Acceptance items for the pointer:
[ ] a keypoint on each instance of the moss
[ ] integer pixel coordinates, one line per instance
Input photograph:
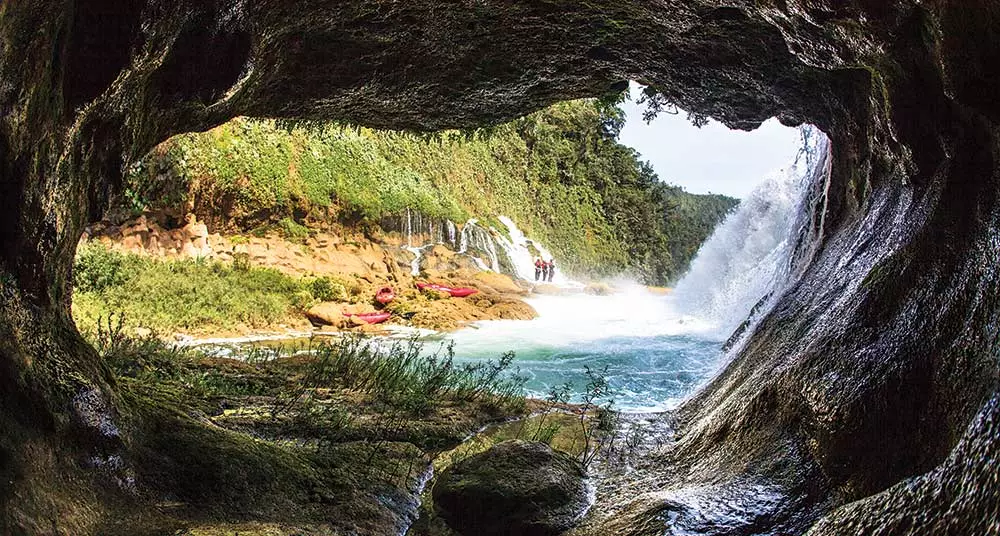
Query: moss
(270, 445)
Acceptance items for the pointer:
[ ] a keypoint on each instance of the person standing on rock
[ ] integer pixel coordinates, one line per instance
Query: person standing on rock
(545, 271)
(551, 269)
(538, 267)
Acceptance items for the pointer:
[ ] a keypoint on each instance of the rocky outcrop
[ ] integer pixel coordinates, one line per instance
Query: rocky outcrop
(147, 236)
(871, 375)
(514, 488)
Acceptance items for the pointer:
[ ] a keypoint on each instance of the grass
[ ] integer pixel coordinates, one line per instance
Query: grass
(190, 295)
(400, 375)
(410, 379)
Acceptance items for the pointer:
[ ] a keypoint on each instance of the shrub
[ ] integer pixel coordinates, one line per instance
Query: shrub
(98, 268)
(406, 377)
(326, 289)
(241, 262)
(293, 230)
(185, 294)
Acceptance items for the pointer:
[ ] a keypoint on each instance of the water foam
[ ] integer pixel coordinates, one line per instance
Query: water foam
(762, 246)
(658, 349)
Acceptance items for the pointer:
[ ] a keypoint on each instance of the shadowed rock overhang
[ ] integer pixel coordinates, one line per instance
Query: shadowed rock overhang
(870, 381)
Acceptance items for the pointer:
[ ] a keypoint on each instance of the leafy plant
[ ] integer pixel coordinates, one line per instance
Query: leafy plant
(293, 230)
(596, 390)
(98, 268)
(557, 395)
(326, 289)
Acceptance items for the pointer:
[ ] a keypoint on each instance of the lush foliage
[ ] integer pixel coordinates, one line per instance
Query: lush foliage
(185, 294)
(559, 173)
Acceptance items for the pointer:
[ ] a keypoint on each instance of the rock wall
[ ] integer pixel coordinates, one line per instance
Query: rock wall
(876, 368)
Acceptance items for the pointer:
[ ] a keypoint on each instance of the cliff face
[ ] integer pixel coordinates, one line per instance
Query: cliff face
(876, 367)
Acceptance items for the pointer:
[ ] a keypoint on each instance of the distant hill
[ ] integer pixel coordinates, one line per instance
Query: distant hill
(559, 174)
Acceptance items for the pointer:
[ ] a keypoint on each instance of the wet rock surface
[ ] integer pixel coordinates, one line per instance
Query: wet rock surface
(867, 376)
(514, 488)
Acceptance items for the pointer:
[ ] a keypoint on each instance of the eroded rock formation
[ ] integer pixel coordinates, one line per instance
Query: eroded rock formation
(875, 368)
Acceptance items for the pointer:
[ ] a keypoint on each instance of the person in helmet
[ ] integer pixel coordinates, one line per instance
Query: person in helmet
(551, 265)
(538, 267)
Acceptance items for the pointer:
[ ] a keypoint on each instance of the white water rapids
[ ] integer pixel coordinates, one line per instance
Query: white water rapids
(658, 349)
(654, 349)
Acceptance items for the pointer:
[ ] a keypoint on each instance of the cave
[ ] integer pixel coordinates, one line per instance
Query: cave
(866, 402)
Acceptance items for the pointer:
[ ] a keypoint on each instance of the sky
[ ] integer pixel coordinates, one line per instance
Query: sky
(712, 158)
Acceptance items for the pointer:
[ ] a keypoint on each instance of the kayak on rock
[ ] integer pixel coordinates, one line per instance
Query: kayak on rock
(371, 318)
(459, 292)
(385, 295)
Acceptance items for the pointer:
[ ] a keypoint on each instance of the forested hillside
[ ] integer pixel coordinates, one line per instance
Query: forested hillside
(559, 173)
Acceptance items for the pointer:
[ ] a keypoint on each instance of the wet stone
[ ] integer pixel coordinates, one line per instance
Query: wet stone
(514, 488)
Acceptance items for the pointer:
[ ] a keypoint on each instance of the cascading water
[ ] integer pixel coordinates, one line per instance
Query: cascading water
(763, 246)
(658, 349)
(522, 252)
(450, 225)
(514, 256)
(419, 232)
(478, 242)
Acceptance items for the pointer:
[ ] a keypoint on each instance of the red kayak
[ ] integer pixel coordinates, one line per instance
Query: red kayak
(371, 318)
(459, 292)
(385, 295)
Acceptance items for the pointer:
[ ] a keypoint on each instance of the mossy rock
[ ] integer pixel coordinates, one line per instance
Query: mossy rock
(514, 488)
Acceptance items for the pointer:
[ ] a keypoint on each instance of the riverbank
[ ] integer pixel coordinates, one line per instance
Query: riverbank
(344, 438)
(185, 283)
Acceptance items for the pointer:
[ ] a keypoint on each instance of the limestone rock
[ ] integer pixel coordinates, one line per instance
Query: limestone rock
(599, 289)
(326, 314)
(195, 238)
(499, 282)
(515, 488)
(548, 290)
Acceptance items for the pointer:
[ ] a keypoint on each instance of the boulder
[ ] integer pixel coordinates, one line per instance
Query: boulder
(508, 309)
(326, 314)
(599, 289)
(548, 289)
(499, 282)
(514, 488)
(195, 240)
(659, 291)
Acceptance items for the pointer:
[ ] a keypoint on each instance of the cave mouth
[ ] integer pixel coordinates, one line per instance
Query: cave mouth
(204, 211)
(892, 313)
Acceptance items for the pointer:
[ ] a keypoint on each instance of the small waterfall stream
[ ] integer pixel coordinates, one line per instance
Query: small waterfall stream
(489, 248)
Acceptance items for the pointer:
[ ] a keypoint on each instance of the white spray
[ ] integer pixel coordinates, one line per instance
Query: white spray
(763, 246)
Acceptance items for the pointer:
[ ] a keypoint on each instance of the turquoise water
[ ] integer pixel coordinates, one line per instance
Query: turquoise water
(653, 356)
(644, 373)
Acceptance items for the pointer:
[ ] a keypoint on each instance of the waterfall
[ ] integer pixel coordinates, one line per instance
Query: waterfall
(519, 251)
(450, 225)
(418, 232)
(763, 246)
(409, 228)
(492, 250)
(489, 248)
(477, 241)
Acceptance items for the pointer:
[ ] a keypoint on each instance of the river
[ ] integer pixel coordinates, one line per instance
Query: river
(655, 349)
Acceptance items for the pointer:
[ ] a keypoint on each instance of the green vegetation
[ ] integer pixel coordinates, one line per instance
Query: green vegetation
(186, 294)
(559, 173)
(319, 436)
